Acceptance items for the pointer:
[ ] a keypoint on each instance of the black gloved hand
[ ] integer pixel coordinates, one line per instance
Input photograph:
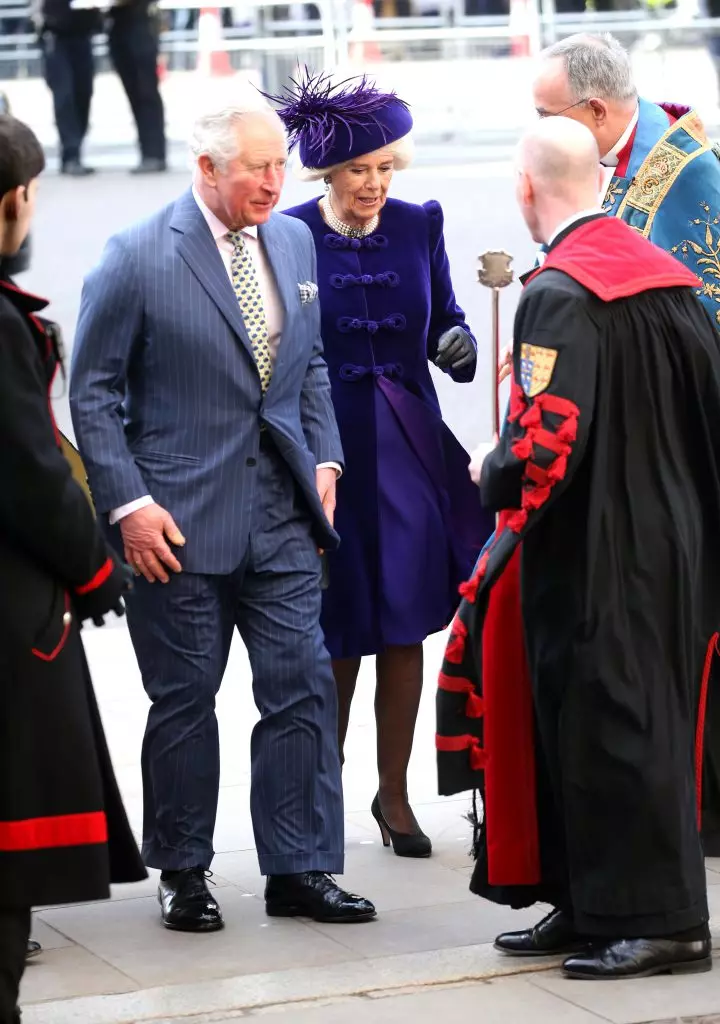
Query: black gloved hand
(455, 350)
(108, 597)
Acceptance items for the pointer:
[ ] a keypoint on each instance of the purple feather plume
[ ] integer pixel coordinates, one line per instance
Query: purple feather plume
(315, 107)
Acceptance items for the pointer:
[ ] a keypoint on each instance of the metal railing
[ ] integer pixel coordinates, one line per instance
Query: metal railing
(271, 28)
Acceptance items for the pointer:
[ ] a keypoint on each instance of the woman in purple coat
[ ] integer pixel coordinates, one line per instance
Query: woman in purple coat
(408, 516)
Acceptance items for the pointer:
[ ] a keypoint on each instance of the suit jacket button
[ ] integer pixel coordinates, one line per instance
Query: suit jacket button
(67, 618)
(251, 461)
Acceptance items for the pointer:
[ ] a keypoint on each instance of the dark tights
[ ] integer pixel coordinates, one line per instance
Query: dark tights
(399, 674)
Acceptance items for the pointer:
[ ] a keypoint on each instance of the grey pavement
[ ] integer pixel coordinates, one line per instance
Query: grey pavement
(430, 951)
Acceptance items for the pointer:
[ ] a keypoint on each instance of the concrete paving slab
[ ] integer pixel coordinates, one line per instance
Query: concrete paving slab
(61, 973)
(252, 992)
(646, 999)
(494, 1002)
(416, 929)
(129, 936)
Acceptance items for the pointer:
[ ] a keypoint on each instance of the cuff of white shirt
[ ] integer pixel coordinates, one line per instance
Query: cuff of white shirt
(330, 465)
(132, 506)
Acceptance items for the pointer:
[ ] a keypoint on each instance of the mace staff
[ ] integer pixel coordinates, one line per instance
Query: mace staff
(494, 272)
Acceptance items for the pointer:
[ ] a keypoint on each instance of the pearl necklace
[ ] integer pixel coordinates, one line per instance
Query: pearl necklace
(340, 228)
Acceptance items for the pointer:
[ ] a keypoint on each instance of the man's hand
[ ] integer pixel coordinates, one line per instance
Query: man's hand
(146, 550)
(505, 364)
(478, 457)
(455, 350)
(326, 483)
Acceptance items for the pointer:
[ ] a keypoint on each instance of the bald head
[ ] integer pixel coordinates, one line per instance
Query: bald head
(559, 172)
(560, 155)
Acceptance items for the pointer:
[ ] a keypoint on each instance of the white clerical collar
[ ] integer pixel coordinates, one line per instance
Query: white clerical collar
(218, 229)
(612, 159)
(569, 221)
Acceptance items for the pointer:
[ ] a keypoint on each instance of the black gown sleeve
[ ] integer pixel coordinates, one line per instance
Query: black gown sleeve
(555, 356)
(42, 508)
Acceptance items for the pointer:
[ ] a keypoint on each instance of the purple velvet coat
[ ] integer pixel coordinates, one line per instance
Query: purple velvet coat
(409, 518)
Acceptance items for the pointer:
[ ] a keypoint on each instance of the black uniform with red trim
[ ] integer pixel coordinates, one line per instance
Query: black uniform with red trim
(574, 685)
(64, 835)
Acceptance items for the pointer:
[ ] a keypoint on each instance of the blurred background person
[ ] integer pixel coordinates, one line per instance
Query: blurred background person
(406, 513)
(64, 836)
(134, 47)
(66, 40)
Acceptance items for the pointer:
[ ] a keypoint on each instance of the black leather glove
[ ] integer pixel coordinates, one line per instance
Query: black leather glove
(108, 597)
(455, 350)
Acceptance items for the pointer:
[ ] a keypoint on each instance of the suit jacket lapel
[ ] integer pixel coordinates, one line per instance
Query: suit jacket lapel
(197, 247)
(271, 237)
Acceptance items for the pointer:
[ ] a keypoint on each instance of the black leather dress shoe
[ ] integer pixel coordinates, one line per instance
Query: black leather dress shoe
(553, 936)
(314, 894)
(150, 165)
(74, 169)
(186, 903)
(640, 958)
(33, 948)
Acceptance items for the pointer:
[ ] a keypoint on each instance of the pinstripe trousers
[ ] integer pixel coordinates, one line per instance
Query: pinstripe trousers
(181, 632)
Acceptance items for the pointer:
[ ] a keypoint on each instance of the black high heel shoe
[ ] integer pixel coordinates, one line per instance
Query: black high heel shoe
(404, 844)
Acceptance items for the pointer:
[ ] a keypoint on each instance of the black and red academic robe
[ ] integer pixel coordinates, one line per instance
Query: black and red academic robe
(573, 688)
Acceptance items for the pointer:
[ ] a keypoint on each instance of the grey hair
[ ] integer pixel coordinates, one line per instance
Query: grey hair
(597, 66)
(402, 151)
(215, 132)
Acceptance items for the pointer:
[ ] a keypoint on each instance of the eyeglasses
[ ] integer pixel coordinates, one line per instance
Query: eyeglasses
(557, 113)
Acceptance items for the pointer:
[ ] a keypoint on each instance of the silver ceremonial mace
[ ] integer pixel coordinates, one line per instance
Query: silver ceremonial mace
(494, 272)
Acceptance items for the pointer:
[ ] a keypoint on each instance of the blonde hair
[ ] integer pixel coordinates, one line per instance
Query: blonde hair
(402, 151)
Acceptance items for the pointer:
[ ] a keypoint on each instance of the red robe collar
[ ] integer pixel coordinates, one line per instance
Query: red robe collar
(26, 301)
(613, 261)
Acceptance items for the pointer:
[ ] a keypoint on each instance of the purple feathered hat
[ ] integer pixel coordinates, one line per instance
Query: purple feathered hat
(333, 123)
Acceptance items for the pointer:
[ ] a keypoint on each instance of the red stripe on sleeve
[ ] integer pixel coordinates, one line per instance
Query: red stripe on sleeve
(98, 579)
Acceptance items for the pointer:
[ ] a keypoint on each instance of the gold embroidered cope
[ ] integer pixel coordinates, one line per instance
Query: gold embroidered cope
(247, 289)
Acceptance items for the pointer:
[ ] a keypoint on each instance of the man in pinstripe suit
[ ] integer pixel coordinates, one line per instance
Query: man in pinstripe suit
(201, 404)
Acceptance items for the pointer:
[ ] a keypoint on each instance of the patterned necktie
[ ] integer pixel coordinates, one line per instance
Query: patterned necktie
(247, 290)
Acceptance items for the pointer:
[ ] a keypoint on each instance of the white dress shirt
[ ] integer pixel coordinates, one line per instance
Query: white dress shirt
(274, 315)
(571, 220)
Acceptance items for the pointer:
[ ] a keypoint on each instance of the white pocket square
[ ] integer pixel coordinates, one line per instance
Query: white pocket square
(308, 292)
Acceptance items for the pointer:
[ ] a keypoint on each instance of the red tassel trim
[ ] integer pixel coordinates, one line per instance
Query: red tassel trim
(568, 431)
(535, 498)
(557, 405)
(539, 482)
(455, 650)
(518, 402)
(475, 707)
(536, 474)
(558, 469)
(712, 649)
(455, 684)
(548, 439)
(469, 589)
(532, 417)
(523, 448)
(517, 521)
(456, 744)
